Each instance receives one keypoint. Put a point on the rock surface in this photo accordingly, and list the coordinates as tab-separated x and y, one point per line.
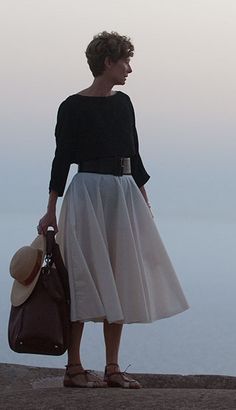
25	387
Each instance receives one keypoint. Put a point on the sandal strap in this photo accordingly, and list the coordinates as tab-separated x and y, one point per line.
96	381
76	373
113	365
73	365
112	374
124	376
122	380
84	372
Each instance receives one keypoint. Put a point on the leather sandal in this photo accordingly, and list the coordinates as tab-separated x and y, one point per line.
120	379
89	379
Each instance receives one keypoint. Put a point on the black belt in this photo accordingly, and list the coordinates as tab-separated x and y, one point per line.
111	165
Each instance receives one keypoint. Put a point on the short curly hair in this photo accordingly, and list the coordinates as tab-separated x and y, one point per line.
105	45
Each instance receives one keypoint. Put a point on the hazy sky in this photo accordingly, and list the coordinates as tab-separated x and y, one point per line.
183	88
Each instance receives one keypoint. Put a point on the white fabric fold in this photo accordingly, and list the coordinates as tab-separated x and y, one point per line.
117	264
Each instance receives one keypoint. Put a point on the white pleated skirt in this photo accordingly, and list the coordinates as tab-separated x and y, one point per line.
118	267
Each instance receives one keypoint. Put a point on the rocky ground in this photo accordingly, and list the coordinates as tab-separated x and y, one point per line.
24	387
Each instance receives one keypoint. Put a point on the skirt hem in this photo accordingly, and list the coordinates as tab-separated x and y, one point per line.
123	321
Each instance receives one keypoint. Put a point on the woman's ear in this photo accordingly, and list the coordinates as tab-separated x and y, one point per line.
108	62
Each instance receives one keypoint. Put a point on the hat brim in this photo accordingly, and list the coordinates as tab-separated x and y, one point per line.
19	292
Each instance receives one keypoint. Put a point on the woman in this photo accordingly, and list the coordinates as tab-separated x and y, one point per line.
119	271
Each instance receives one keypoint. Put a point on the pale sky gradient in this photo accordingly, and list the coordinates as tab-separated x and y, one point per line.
183	88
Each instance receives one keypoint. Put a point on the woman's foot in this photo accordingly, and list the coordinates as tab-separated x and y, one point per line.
115	378
76	376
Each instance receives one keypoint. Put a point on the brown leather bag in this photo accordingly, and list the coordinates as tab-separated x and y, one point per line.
41	324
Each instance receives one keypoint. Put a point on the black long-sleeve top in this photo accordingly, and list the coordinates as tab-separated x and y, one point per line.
95	127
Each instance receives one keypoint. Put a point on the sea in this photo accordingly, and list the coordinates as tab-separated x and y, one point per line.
202	340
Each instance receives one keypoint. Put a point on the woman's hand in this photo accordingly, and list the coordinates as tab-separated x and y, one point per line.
144	193
49	219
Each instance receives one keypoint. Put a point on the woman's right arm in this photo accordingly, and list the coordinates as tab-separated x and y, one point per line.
49	219
60	167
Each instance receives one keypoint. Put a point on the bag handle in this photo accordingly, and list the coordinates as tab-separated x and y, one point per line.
50	244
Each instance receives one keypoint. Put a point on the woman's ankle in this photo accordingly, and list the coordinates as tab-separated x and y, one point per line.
74	364
112	368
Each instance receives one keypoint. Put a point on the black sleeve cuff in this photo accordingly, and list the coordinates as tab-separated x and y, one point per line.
139	173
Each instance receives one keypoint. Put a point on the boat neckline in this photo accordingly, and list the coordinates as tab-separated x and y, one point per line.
99	96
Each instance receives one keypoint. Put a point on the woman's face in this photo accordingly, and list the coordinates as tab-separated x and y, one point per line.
119	71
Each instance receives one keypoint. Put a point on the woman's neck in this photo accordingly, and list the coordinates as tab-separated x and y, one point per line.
99	88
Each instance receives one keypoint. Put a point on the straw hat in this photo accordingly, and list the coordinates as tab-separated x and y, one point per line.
25	268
